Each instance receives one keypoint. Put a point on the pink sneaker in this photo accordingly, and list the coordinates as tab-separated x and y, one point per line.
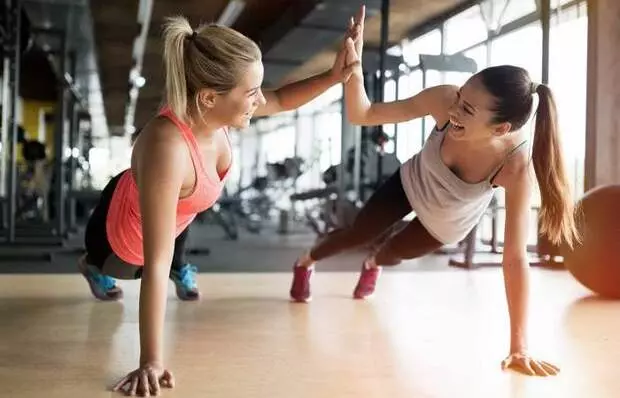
367	282
300	289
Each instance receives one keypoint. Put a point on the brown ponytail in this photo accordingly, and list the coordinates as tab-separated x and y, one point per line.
557	213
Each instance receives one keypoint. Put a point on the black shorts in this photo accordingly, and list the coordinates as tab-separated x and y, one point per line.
98	250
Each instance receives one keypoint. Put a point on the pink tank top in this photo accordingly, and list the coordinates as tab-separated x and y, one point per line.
124	223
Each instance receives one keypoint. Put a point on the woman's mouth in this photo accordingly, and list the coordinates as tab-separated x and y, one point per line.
456	130
456	125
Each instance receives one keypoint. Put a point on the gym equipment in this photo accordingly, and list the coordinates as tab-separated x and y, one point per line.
328	208
24	222
255	204
475	252
595	262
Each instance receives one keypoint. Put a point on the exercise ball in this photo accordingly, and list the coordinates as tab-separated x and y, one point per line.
595	261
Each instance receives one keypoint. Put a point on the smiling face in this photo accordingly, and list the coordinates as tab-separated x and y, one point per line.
236	107
471	115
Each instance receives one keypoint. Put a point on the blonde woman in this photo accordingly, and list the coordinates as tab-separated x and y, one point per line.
179	165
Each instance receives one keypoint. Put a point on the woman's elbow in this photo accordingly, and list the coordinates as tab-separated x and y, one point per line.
358	118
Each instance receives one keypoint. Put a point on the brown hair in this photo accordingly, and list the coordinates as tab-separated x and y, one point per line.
213	57
513	91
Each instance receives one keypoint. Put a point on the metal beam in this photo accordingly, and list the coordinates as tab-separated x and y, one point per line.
14	19
545	19
59	144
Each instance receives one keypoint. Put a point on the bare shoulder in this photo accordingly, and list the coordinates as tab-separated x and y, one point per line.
160	145
517	172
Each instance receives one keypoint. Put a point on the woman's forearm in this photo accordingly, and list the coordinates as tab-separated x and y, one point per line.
516	279
294	95
153	295
356	101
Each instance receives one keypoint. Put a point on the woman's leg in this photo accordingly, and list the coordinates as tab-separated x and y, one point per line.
182	273
411	242
98	249
385	207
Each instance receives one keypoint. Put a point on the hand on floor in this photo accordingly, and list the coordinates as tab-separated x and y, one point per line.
525	364
145	381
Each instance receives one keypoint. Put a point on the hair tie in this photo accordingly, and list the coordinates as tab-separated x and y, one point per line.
533	88
193	36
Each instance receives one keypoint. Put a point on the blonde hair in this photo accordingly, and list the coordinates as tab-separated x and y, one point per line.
213	56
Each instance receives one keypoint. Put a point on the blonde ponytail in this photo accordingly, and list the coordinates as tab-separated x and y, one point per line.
212	56
176	31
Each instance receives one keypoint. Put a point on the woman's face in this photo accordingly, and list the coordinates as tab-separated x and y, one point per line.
236	107
471	115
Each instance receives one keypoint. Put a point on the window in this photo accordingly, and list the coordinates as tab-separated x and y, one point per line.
469	21
522	47
478	54
329	127
429	43
389	129
567	79
498	13
409	132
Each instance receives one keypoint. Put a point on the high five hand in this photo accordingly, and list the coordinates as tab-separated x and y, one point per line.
342	69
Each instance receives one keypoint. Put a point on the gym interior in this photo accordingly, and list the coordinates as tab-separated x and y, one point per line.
81	78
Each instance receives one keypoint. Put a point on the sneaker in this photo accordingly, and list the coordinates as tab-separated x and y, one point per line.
300	289
102	286
185	282
367	282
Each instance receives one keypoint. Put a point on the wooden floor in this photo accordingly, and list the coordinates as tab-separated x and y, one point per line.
427	334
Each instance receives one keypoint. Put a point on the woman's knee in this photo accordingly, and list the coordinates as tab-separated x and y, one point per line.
412	242
119	269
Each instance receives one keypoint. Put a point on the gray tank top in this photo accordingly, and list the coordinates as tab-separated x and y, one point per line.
447	206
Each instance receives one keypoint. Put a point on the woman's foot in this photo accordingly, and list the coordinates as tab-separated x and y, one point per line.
184	279
367	282
102	286
302	274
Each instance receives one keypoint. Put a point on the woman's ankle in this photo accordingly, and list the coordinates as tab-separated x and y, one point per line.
371	262
305	260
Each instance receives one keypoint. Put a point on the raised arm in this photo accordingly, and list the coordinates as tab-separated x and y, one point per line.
433	101
294	95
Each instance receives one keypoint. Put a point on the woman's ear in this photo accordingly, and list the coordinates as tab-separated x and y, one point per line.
502	129
207	98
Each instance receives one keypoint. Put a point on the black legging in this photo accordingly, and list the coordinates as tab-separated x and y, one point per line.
388	205
98	247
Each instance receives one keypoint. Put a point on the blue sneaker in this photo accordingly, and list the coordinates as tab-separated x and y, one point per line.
102	286
185	282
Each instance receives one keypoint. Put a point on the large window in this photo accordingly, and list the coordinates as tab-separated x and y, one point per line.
410	132
390	129
469	21
478	54
429	43
522	47
567	79
498	13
